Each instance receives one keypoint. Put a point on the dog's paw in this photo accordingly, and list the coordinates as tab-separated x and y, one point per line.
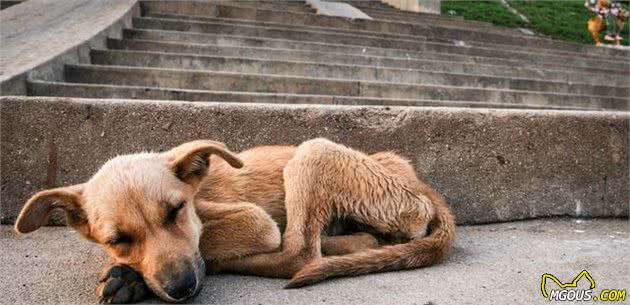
121	285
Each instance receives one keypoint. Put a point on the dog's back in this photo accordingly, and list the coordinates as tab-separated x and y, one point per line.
260	181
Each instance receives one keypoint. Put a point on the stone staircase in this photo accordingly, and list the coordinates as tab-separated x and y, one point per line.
494	118
506	126
280	52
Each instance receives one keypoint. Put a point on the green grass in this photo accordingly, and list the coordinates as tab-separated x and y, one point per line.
558	19
489	11
564	20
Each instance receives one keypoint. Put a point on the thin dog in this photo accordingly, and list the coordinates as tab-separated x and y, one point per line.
164	218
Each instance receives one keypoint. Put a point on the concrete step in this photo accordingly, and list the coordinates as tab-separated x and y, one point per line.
441	20
337	9
482	253
209	8
424	19
436	20
370	4
491	164
452	23
224	81
439	32
550	157
485	35
421	15
248	2
346	30
44	88
337	71
227	28
220	40
542	44
365	60
396	13
287	6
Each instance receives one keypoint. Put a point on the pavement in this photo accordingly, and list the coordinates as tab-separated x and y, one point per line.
489	264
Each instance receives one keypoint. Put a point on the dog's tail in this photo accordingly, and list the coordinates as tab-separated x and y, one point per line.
416	253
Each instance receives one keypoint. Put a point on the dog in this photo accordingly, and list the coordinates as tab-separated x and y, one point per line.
307	213
596	24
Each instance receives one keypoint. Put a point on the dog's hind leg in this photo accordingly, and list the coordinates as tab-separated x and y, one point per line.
390	201
325	180
346	244
308	212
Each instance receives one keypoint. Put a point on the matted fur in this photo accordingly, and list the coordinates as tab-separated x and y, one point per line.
264	211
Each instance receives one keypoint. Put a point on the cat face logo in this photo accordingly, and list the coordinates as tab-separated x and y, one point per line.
573	284
567	293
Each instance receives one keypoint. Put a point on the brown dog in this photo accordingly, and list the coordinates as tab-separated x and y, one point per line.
162	216
596	24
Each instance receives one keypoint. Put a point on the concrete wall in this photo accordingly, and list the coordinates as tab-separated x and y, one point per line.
492	165
422	6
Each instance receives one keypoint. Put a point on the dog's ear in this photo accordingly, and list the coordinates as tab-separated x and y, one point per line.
36	211
190	161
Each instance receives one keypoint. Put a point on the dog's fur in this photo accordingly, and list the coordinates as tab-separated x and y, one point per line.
165	214
596	24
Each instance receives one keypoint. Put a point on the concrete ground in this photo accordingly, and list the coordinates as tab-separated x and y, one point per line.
490	264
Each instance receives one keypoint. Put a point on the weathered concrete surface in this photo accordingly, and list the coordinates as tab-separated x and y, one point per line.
281	5
492	165
345	71
430	31
424	6
490	264
46	33
240	82
275	29
337	9
44	88
222	40
446	20
342	58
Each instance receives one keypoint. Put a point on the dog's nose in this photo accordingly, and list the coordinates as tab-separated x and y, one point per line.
183	286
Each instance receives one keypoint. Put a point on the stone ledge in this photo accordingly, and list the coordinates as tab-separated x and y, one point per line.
492	165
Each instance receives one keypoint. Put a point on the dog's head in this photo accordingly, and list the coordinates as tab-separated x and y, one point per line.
624	15
140	209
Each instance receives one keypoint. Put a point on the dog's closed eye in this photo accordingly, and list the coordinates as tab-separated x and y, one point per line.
174	211
120	240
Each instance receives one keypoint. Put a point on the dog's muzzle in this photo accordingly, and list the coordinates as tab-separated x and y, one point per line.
182	279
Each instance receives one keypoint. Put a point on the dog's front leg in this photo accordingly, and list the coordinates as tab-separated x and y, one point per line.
119	284
307	215
234	230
